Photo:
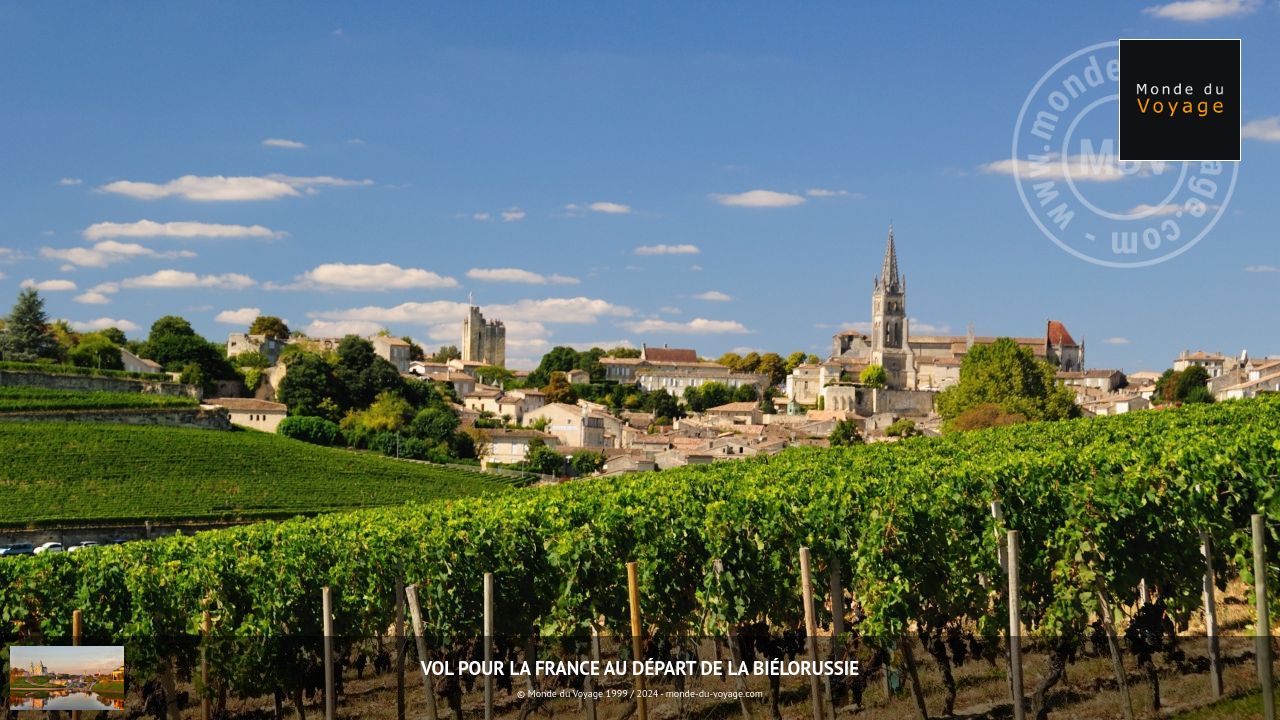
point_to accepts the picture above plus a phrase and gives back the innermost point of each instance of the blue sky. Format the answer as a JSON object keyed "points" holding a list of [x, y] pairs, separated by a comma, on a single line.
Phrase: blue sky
{"points": [[67, 659], [583, 171]]}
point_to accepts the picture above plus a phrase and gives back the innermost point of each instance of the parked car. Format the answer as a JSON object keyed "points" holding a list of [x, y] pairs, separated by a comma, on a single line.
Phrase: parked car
{"points": [[52, 547], [18, 549], [82, 545]]}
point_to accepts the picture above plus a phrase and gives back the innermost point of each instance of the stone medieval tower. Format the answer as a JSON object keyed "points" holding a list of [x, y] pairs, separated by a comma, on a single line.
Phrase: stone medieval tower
{"points": [[483, 340]]}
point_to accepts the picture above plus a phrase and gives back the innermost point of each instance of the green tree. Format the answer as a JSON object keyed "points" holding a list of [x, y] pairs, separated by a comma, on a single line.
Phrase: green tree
{"points": [[95, 350], [1192, 386], [795, 360], [663, 405], [269, 325], [586, 462], [175, 345], [27, 335], [560, 359], [445, 354], [558, 390], [364, 374], [493, 375], [434, 423], [388, 413], [416, 353], [745, 393], [774, 366], [251, 359], [709, 395], [115, 335], [845, 433], [902, 427], [311, 388], [1010, 377], [542, 459], [873, 376]]}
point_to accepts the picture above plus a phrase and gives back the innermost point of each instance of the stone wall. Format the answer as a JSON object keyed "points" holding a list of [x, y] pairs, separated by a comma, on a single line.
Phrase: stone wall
{"points": [[105, 532], [902, 402], [204, 417], [89, 383]]}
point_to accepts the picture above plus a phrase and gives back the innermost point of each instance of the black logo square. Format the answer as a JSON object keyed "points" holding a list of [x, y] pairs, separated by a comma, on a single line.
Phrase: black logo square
{"points": [[1179, 100]]}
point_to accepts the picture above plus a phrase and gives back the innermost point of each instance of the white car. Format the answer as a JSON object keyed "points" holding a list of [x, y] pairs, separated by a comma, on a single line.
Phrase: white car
{"points": [[83, 545], [52, 547]]}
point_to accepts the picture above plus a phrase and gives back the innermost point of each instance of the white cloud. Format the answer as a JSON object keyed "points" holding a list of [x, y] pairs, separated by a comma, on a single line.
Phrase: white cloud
{"points": [[49, 285], [758, 199], [354, 141], [219, 188], [9, 255], [179, 279], [103, 323], [1080, 168], [1162, 210], [697, 326], [150, 228], [610, 207], [516, 275], [1262, 269], [384, 276], [243, 316], [481, 216], [70, 181], [107, 252], [667, 250], [602, 344], [825, 193], [1116, 341], [512, 214], [341, 328], [575, 310], [713, 296], [1267, 129], [915, 327], [92, 297], [283, 143], [2, 276], [668, 309], [1197, 10]]}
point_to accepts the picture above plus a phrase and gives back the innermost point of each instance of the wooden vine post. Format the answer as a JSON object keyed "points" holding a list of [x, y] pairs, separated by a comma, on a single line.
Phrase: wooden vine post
{"points": [[415, 613], [835, 593], [637, 640], [1113, 643], [330, 700], [1211, 616], [811, 631], [400, 651], [77, 632], [739, 682], [1015, 627], [206, 628], [488, 646], [1263, 630]]}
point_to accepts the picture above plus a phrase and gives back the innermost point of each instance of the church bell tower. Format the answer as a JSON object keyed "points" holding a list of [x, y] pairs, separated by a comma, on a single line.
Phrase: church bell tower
{"points": [[889, 348]]}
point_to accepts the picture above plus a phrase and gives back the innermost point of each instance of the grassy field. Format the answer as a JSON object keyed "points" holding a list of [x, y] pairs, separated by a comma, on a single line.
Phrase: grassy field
{"points": [[70, 473], [112, 687], [24, 399], [39, 682]]}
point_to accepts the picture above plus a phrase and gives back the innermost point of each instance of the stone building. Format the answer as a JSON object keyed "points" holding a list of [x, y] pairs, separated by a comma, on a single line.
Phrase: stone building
{"points": [[911, 362], [483, 340]]}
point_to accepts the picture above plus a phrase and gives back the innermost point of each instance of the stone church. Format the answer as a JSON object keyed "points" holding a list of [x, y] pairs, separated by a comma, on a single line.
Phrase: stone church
{"points": [[913, 362]]}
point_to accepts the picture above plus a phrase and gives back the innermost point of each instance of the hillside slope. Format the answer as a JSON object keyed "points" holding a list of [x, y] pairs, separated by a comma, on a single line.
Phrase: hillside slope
{"points": [[62, 473]]}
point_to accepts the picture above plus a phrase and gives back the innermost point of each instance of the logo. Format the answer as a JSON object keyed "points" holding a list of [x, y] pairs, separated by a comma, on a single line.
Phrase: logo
{"points": [[1069, 175]]}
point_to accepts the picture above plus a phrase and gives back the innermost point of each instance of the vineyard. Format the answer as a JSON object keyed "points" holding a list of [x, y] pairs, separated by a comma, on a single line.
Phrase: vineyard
{"points": [[76, 370], [1102, 506], [26, 399], [66, 474]]}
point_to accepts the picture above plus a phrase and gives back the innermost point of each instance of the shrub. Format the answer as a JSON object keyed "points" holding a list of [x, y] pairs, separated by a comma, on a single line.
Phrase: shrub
{"points": [[902, 428], [315, 430]]}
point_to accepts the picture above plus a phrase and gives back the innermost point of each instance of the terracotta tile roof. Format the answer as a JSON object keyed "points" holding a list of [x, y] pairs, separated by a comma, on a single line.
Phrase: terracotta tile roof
{"points": [[247, 404], [733, 407], [1058, 334], [663, 354]]}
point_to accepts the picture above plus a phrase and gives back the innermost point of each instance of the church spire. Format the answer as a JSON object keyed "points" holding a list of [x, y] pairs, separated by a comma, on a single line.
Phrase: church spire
{"points": [[889, 278]]}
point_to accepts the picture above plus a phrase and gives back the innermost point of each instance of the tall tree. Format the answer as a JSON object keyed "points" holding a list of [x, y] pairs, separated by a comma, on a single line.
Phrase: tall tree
{"points": [[96, 350], [558, 390], [1010, 377], [269, 325], [27, 336], [364, 373], [311, 388]]}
